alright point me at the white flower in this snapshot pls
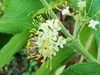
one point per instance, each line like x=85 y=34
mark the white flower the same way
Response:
x=54 y=46
x=61 y=41
x=44 y=27
x=66 y=11
x=38 y=42
x=53 y=24
x=49 y=22
x=81 y=4
x=93 y=23
x=48 y=53
x=56 y=25
x=53 y=35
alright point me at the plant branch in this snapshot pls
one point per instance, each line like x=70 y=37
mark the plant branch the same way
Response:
x=77 y=45
x=79 y=24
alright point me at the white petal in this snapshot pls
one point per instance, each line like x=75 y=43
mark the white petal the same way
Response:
x=61 y=46
x=93 y=26
x=64 y=12
x=96 y=22
x=56 y=49
x=81 y=4
x=89 y=25
x=63 y=41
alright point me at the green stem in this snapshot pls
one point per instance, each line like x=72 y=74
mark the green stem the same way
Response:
x=74 y=42
x=79 y=24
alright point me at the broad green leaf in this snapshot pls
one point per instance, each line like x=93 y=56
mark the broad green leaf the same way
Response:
x=37 y=12
x=89 y=68
x=92 y=9
x=62 y=57
x=15 y=44
x=93 y=48
x=88 y=41
x=4 y=38
x=44 y=10
x=84 y=35
x=74 y=3
x=15 y=19
x=5 y=3
x=97 y=34
x=56 y=2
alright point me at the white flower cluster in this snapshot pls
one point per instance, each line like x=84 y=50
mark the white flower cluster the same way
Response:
x=47 y=40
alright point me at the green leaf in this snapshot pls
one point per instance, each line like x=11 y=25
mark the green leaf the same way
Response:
x=4 y=38
x=62 y=57
x=15 y=19
x=15 y=44
x=88 y=41
x=74 y=3
x=89 y=68
x=97 y=34
x=56 y=2
x=92 y=7
x=93 y=48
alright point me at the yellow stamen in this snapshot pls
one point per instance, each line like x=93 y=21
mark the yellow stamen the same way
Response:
x=40 y=24
x=47 y=44
x=33 y=29
x=69 y=39
x=55 y=6
x=38 y=56
x=35 y=47
x=50 y=68
x=30 y=48
x=31 y=35
x=42 y=64
x=37 y=33
x=52 y=24
x=32 y=22
x=42 y=61
x=47 y=66
x=31 y=60
x=29 y=57
x=46 y=22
